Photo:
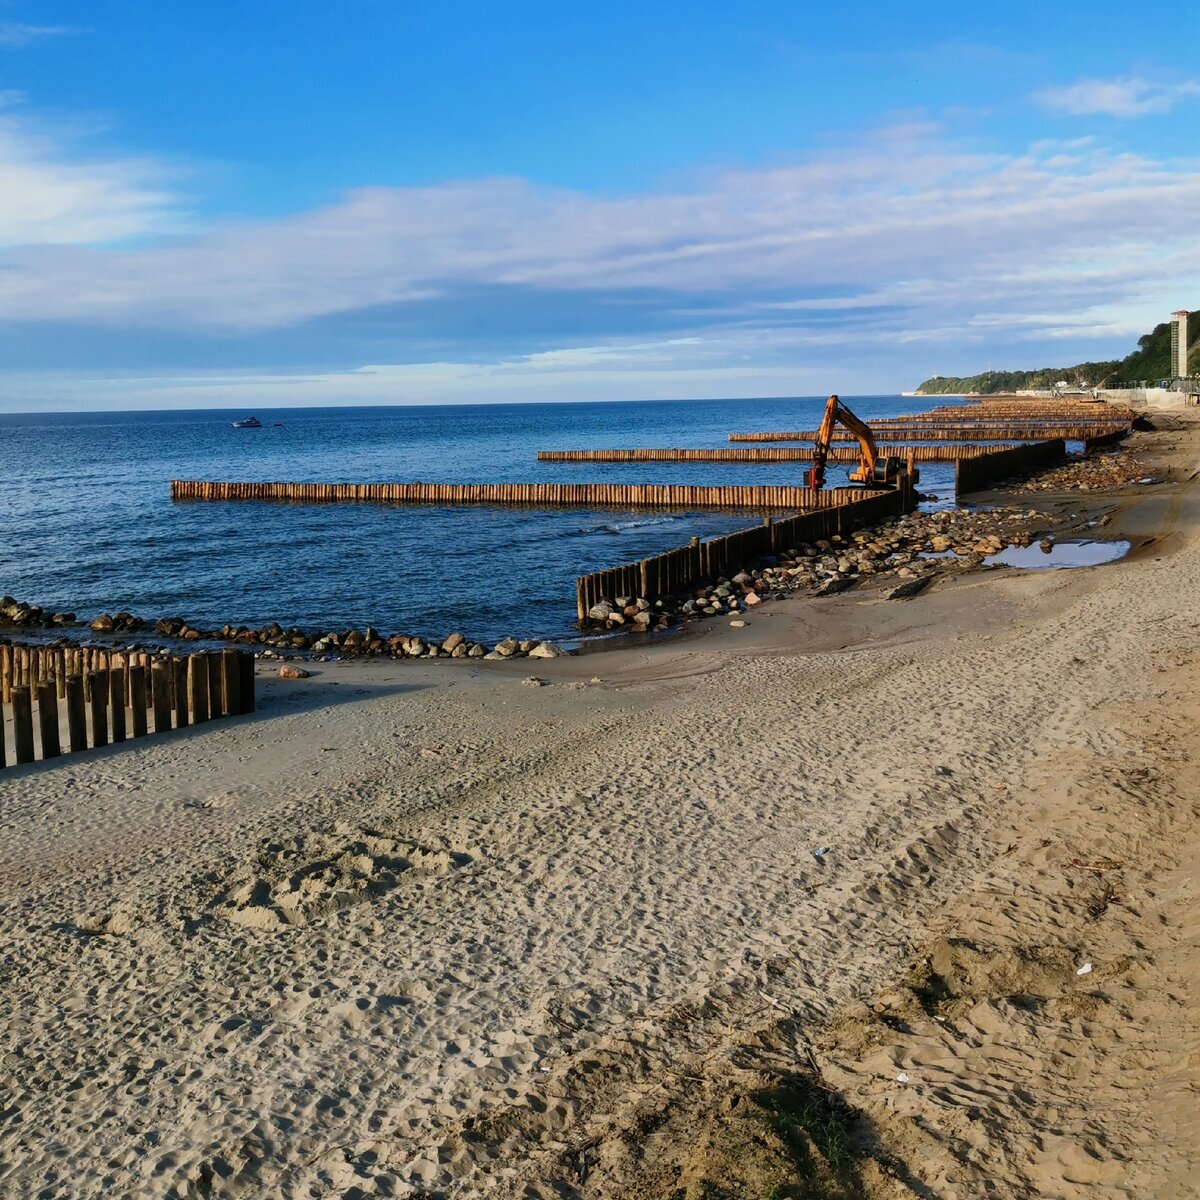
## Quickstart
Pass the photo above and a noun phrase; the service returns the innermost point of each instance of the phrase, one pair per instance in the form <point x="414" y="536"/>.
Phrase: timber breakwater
<point x="539" y="495"/>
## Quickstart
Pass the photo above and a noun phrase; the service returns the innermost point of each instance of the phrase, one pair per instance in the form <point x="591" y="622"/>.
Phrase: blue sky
<point x="301" y="202"/>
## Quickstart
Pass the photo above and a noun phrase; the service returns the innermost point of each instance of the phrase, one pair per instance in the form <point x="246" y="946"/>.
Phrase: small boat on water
<point x="248" y="423"/>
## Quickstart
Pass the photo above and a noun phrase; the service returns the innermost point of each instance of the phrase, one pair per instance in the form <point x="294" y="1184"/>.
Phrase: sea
<point x="89" y="525"/>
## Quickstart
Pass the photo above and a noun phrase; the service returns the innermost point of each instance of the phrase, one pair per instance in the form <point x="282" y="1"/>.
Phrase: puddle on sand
<point x="1060" y="554"/>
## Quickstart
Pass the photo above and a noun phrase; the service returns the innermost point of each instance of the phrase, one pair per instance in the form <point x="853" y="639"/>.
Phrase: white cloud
<point x="1116" y="97"/>
<point x="905" y="213"/>
<point x="16" y="34"/>
<point x="50" y="196"/>
<point x="952" y="251"/>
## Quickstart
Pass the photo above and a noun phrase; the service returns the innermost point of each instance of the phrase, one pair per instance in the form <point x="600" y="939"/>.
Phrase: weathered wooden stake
<point x="98" y="702"/>
<point x="137" y="699"/>
<point x="22" y="710"/>
<point x="179" y="673"/>
<point x="197" y="668"/>
<point x="47" y="695"/>
<point x="116" y="703"/>
<point x="160" y="686"/>
<point x="231" y="686"/>
<point x="76" y="714"/>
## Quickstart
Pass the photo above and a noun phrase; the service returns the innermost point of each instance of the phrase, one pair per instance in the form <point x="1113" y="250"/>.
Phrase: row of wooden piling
<point x="763" y="454"/>
<point x="947" y="432"/>
<point x="108" y="696"/>
<point x="1101" y="413"/>
<point x="675" y="572"/>
<point x="546" y="495"/>
<point x="972" y="474"/>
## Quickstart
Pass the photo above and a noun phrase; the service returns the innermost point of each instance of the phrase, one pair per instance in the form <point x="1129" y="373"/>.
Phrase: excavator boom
<point x="871" y="469"/>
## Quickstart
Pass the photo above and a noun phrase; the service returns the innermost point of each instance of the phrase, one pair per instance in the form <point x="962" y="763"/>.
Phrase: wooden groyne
<point x="676" y="571"/>
<point x="761" y="454"/>
<point x="946" y="433"/>
<point x="972" y="474"/>
<point x="543" y="495"/>
<point x="1101" y="414"/>
<point x="81" y="697"/>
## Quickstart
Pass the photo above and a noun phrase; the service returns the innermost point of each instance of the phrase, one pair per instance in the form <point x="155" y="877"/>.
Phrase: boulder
<point x="453" y="642"/>
<point x="546" y="650"/>
<point x="750" y="599"/>
<point x="288" y="671"/>
<point x="506" y="648"/>
<point x="476" y="651"/>
<point x="601" y="611"/>
<point x="102" y="624"/>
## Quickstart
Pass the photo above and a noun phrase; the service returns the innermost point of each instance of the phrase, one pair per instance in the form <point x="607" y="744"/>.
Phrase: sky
<point x="286" y="203"/>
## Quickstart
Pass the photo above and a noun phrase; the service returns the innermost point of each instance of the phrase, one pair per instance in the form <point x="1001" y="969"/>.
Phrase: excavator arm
<point x="871" y="468"/>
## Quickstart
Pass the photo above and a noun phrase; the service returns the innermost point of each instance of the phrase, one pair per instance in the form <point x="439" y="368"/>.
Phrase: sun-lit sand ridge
<point x="430" y="929"/>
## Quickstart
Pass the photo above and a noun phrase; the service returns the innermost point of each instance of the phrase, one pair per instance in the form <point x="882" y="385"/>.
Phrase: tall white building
<point x="1179" y="344"/>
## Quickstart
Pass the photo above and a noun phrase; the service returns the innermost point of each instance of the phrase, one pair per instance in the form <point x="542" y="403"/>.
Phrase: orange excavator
<point x="873" y="468"/>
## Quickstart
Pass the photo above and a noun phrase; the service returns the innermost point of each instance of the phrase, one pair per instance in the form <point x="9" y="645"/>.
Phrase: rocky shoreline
<point x="900" y="557"/>
<point x="895" y="550"/>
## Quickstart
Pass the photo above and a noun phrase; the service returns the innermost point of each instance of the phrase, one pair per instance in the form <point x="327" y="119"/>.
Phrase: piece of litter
<point x="1086" y="969"/>
<point x="820" y="852"/>
<point x="902" y="1077"/>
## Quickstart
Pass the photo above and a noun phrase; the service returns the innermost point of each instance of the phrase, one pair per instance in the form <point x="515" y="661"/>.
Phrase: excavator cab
<point x="873" y="470"/>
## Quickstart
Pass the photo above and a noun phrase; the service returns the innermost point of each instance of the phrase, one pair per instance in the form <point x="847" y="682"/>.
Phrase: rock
<point x="532" y="681"/>
<point x="506" y="648"/>
<point x="453" y="642"/>
<point x="459" y="651"/>
<point x="832" y="586"/>
<point x="288" y="671"/>
<point x="910" y="587"/>
<point x="601" y="611"/>
<point x="750" y="599"/>
<point x="102" y="624"/>
<point x="526" y="646"/>
<point x="737" y="624"/>
<point x="547" y="650"/>
<point x="476" y="651"/>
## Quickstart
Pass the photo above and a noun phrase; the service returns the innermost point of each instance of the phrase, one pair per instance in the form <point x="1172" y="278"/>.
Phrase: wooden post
<point x="179" y="674"/>
<point x="197" y="668"/>
<point x="137" y="699"/>
<point x="116" y="703"/>
<point x="98" y="702"/>
<point x="214" y="685"/>
<point x="47" y="699"/>
<point x="160" y="687"/>
<point x="22" y="710"/>
<point x="231" y="691"/>
<point x="246" y="681"/>
<point x="76" y="715"/>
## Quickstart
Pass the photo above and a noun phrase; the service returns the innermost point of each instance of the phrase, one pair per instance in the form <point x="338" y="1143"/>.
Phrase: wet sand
<point x="431" y="930"/>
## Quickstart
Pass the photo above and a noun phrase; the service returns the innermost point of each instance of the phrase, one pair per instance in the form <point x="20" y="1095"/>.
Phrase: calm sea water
<point x="89" y="526"/>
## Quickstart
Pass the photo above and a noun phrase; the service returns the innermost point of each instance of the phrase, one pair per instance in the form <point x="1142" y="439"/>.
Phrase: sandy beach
<point x="432" y="929"/>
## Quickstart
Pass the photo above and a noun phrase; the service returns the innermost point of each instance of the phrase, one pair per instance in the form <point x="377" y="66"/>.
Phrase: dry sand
<point x="426" y="929"/>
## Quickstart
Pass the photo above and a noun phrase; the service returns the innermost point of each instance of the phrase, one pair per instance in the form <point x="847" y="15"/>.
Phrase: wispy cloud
<point x="13" y="33"/>
<point x="51" y="195"/>
<point x="486" y="287"/>
<point x="1130" y="97"/>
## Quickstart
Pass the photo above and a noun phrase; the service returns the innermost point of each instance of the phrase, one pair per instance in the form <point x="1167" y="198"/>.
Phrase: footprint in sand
<point x="319" y="873"/>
